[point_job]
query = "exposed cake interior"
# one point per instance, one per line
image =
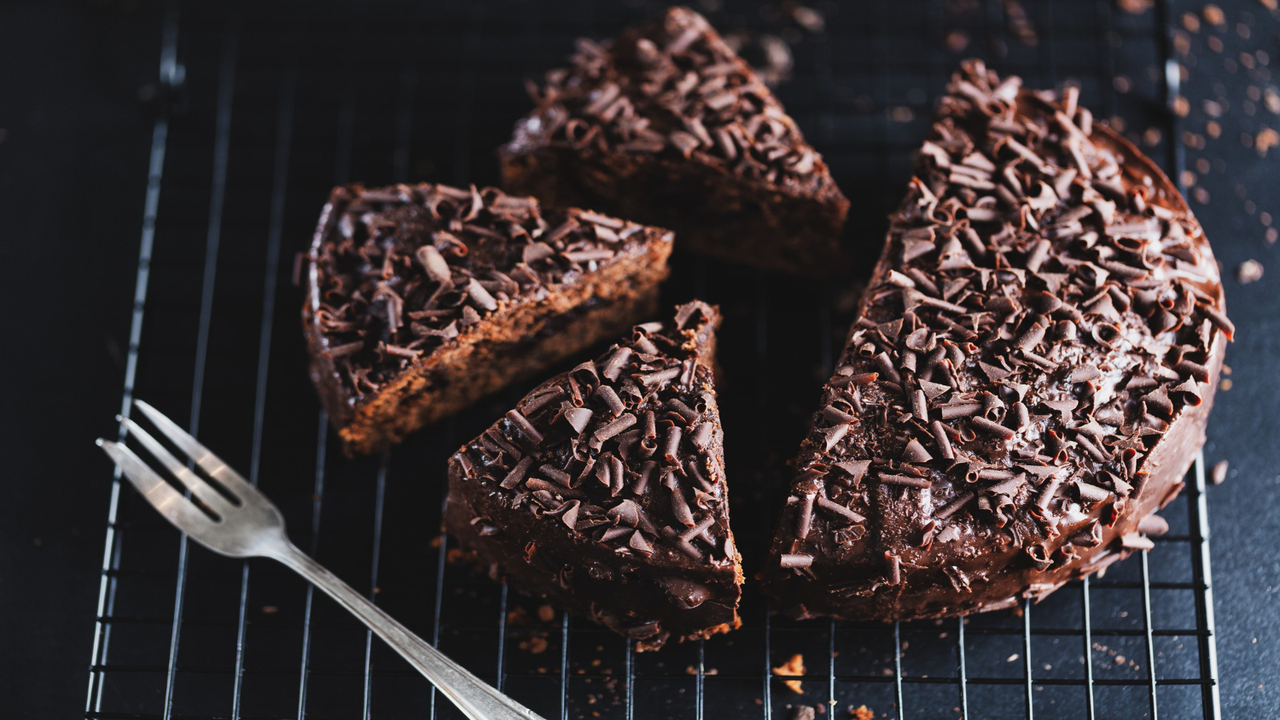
(1028, 379)
(604, 490)
(667, 125)
(424, 298)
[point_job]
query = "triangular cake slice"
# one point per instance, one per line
(667, 125)
(603, 490)
(423, 298)
(1027, 382)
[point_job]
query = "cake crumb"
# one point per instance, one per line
(862, 712)
(455, 556)
(535, 644)
(793, 667)
(1135, 7)
(1266, 139)
(518, 617)
(1219, 472)
(802, 712)
(546, 613)
(1214, 15)
(1249, 271)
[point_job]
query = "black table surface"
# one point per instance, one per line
(76, 82)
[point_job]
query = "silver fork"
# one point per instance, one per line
(249, 525)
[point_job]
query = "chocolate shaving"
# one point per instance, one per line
(795, 560)
(992, 428)
(856, 469)
(954, 506)
(915, 453)
(907, 480)
(839, 511)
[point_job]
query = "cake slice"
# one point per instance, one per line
(667, 125)
(1027, 382)
(604, 489)
(423, 298)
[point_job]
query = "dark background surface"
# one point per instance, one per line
(80, 94)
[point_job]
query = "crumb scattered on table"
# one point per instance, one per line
(1249, 271)
(535, 644)
(793, 667)
(1219, 473)
(802, 712)
(862, 712)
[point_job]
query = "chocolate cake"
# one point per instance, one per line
(667, 125)
(423, 298)
(604, 489)
(1028, 379)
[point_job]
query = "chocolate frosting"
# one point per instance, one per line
(1029, 376)
(604, 487)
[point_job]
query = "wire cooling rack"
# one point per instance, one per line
(261, 108)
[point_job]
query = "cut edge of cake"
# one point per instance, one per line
(503, 326)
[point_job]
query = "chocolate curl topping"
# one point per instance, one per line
(839, 511)
(523, 426)
(941, 440)
(856, 470)
(433, 263)
(613, 427)
(618, 359)
(907, 480)
(517, 474)
(804, 519)
(578, 418)
(915, 453)
(795, 560)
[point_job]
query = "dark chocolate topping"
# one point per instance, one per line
(398, 272)
(1042, 314)
(619, 450)
(673, 89)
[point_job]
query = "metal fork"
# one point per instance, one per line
(247, 524)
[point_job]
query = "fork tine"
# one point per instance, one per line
(163, 497)
(193, 482)
(210, 463)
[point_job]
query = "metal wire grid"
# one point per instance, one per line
(291, 104)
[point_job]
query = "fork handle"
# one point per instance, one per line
(476, 698)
